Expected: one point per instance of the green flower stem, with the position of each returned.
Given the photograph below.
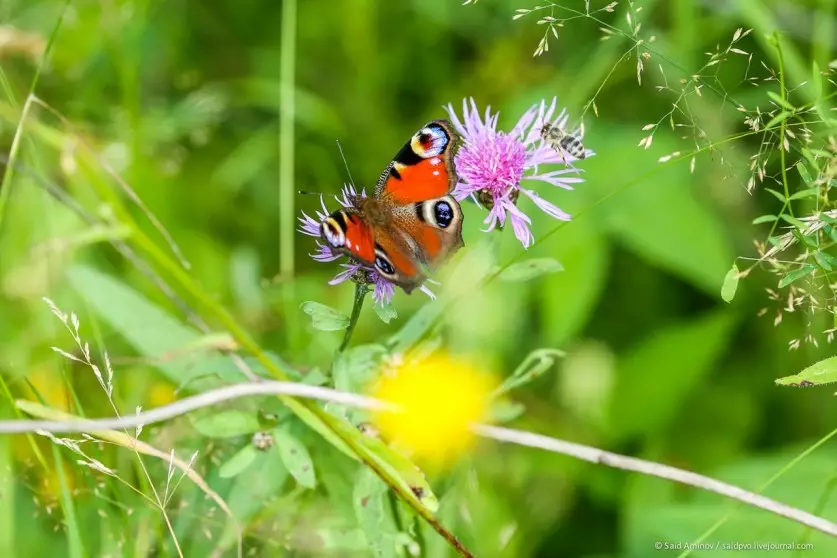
(361, 289)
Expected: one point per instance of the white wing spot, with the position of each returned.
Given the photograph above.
(435, 173)
(435, 161)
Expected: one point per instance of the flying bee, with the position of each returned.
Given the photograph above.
(559, 140)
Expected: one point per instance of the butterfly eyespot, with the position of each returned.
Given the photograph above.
(430, 141)
(383, 267)
(444, 214)
(333, 233)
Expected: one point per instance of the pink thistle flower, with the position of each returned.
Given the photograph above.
(492, 164)
(383, 289)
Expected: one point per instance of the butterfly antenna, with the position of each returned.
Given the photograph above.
(343, 156)
(307, 193)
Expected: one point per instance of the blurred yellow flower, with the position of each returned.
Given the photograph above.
(438, 399)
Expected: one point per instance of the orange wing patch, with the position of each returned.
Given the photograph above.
(401, 260)
(424, 180)
(360, 239)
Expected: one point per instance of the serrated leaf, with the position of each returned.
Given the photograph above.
(796, 275)
(242, 459)
(226, 424)
(325, 318)
(386, 313)
(764, 219)
(730, 284)
(295, 457)
(819, 373)
(530, 269)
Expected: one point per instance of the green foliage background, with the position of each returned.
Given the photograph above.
(182, 99)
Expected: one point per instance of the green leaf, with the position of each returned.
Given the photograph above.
(386, 313)
(803, 172)
(829, 258)
(809, 156)
(357, 366)
(226, 424)
(295, 457)
(533, 366)
(503, 411)
(372, 511)
(405, 471)
(816, 80)
(236, 464)
(530, 269)
(819, 373)
(779, 196)
(795, 275)
(822, 260)
(764, 219)
(730, 284)
(780, 101)
(251, 488)
(806, 193)
(781, 117)
(655, 378)
(800, 225)
(325, 318)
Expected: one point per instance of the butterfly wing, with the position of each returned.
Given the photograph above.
(347, 231)
(426, 221)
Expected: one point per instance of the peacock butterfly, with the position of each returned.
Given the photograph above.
(411, 223)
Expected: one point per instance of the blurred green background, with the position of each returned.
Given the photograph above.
(182, 99)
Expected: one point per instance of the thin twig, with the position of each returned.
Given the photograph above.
(586, 453)
(184, 406)
(595, 455)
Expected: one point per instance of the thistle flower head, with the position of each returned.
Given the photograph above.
(436, 401)
(493, 164)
